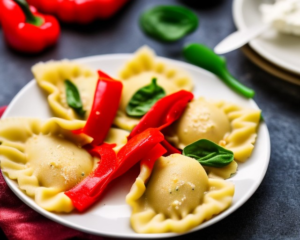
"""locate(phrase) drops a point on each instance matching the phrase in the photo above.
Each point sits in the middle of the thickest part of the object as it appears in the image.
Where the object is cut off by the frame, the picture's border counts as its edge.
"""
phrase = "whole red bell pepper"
(25, 29)
(78, 11)
(106, 103)
(144, 146)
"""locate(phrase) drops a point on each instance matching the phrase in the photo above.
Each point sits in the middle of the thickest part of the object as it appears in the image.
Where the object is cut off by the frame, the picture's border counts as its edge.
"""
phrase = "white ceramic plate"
(110, 216)
(281, 49)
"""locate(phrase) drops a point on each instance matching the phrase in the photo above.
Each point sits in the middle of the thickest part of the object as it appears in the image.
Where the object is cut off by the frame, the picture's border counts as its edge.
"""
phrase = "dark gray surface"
(273, 212)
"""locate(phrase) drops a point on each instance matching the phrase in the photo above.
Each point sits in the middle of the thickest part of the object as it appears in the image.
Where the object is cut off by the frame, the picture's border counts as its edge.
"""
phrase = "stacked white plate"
(275, 52)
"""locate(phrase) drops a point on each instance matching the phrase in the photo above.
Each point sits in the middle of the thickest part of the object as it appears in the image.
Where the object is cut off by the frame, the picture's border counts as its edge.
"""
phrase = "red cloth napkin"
(19, 222)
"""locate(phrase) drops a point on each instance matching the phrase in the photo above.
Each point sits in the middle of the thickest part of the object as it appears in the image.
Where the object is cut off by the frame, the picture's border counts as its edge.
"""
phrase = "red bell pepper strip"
(164, 112)
(152, 156)
(2, 110)
(106, 103)
(80, 199)
(104, 151)
(26, 30)
(170, 149)
(135, 149)
(78, 11)
(91, 188)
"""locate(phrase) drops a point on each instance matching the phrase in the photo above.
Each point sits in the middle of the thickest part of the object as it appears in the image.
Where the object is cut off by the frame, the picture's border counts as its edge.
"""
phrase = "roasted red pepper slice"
(164, 112)
(80, 199)
(170, 148)
(75, 11)
(131, 153)
(136, 148)
(90, 189)
(105, 152)
(106, 103)
(26, 30)
(153, 155)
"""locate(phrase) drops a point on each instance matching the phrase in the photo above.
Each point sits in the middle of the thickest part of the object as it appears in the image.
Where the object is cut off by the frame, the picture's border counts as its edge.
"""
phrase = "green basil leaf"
(168, 23)
(208, 153)
(73, 98)
(144, 99)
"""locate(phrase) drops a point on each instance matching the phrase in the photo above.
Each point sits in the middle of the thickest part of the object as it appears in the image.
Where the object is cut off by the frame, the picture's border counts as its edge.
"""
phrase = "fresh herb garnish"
(73, 98)
(208, 153)
(144, 99)
(168, 23)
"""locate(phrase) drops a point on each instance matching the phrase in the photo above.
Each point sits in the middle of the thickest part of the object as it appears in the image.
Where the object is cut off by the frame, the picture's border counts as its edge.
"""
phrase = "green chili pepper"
(204, 57)
(208, 153)
(73, 98)
(144, 99)
(168, 23)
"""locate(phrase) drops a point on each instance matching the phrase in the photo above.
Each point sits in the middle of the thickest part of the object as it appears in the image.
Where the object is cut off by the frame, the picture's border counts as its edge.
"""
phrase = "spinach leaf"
(208, 153)
(168, 23)
(73, 98)
(144, 99)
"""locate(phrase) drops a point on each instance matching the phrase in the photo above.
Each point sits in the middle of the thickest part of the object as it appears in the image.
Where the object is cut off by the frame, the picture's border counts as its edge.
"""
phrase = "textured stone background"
(273, 212)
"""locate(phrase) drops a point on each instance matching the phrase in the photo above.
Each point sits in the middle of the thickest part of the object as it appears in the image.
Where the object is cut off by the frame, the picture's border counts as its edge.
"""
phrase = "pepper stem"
(30, 17)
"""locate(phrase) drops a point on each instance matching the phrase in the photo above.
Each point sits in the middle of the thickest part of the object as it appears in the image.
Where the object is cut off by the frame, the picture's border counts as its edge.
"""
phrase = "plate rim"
(54, 217)
(240, 25)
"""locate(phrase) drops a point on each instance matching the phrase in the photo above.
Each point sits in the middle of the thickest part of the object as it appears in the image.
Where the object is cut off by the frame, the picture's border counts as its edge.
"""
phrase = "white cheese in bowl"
(284, 15)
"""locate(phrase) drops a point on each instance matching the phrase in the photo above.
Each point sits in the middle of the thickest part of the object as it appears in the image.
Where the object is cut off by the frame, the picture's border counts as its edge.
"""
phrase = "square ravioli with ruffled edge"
(176, 196)
(224, 123)
(138, 72)
(51, 77)
(47, 159)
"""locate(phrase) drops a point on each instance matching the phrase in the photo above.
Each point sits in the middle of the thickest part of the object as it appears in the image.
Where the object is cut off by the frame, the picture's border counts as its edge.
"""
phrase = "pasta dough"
(46, 158)
(50, 76)
(178, 196)
(138, 73)
(117, 136)
(244, 123)
(222, 172)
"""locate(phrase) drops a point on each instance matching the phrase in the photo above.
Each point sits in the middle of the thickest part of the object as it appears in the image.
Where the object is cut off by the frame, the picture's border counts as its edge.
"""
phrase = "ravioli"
(200, 120)
(46, 158)
(51, 75)
(138, 72)
(224, 123)
(177, 197)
